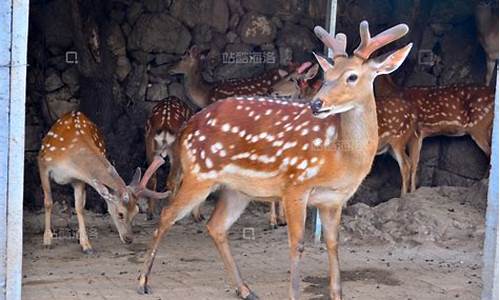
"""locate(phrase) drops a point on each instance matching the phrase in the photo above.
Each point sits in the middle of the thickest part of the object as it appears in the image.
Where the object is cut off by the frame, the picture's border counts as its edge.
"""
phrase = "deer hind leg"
(415, 146)
(295, 211)
(330, 217)
(47, 201)
(191, 193)
(273, 222)
(281, 215)
(403, 160)
(80, 197)
(227, 210)
(482, 137)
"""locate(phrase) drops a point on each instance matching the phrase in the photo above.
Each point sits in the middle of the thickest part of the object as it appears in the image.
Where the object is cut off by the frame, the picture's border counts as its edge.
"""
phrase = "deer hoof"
(251, 295)
(144, 290)
(282, 223)
(198, 218)
(149, 216)
(273, 226)
(89, 251)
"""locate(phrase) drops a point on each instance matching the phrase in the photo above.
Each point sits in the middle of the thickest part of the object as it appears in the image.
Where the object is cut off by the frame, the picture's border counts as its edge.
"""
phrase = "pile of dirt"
(443, 215)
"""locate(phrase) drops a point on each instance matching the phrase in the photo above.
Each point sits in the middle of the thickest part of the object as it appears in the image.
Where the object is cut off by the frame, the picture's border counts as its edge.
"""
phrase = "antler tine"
(337, 43)
(157, 162)
(368, 45)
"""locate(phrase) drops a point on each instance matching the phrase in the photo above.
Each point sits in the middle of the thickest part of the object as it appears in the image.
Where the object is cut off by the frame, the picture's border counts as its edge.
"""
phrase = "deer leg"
(197, 215)
(330, 217)
(415, 146)
(227, 210)
(191, 193)
(153, 181)
(482, 139)
(273, 222)
(47, 200)
(80, 197)
(281, 215)
(404, 166)
(490, 69)
(295, 211)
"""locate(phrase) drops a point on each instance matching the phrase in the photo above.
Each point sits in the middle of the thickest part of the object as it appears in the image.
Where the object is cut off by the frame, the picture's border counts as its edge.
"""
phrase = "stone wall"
(146, 37)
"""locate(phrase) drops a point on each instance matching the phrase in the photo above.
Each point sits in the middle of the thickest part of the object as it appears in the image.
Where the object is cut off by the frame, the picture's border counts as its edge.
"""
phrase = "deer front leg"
(152, 184)
(295, 211)
(47, 201)
(281, 215)
(330, 217)
(191, 193)
(490, 70)
(227, 210)
(80, 197)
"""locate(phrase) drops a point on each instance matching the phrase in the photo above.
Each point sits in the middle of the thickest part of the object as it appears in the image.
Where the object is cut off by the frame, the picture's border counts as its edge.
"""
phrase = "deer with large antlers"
(73, 152)
(395, 114)
(487, 29)
(274, 150)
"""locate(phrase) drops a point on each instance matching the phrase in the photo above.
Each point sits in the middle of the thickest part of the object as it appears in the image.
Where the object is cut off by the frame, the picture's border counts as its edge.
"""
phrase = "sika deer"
(487, 29)
(297, 84)
(454, 111)
(162, 127)
(277, 150)
(73, 152)
(203, 93)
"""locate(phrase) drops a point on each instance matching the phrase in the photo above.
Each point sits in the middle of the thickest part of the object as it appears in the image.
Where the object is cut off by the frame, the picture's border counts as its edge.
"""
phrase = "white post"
(490, 250)
(330, 24)
(13, 50)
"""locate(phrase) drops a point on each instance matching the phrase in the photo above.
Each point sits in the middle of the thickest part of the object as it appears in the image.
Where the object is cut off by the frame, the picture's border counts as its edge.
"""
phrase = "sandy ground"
(380, 258)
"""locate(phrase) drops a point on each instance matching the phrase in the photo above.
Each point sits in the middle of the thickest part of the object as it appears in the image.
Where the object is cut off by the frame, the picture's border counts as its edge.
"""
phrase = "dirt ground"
(425, 246)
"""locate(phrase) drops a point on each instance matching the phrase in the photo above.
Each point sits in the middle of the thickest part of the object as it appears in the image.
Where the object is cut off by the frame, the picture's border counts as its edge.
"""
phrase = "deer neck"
(197, 88)
(358, 130)
(97, 167)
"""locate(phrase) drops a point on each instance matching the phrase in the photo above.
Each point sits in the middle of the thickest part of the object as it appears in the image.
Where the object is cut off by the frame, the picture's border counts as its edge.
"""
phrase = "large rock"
(61, 102)
(299, 38)
(210, 12)
(116, 40)
(123, 67)
(283, 8)
(256, 29)
(157, 92)
(137, 83)
(159, 33)
(53, 80)
(156, 5)
(71, 78)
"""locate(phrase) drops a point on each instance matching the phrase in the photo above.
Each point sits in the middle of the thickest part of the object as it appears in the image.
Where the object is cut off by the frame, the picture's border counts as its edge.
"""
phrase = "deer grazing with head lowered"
(73, 152)
(273, 150)
(487, 29)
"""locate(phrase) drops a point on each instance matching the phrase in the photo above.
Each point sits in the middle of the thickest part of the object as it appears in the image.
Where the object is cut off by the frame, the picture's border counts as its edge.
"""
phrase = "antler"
(337, 43)
(140, 187)
(368, 45)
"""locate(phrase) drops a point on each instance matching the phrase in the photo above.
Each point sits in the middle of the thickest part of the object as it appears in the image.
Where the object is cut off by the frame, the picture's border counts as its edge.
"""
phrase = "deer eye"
(352, 78)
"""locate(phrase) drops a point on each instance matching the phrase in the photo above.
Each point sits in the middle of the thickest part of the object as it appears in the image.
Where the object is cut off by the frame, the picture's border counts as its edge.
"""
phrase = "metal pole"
(490, 250)
(13, 51)
(330, 24)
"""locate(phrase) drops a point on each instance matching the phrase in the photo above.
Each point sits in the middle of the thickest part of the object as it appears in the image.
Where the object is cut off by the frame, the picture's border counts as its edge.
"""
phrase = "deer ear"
(390, 62)
(102, 190)
(137, 177)
(312, 72)
(323, 62)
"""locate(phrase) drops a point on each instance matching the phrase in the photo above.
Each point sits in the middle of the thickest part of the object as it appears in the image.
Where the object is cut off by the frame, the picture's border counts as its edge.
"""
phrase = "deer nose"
(316, 105)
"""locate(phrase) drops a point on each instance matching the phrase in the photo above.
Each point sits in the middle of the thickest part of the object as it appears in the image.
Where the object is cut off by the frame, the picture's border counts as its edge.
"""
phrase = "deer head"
(349, 82)
(292, 86)
(123, 202)
(189, 62)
